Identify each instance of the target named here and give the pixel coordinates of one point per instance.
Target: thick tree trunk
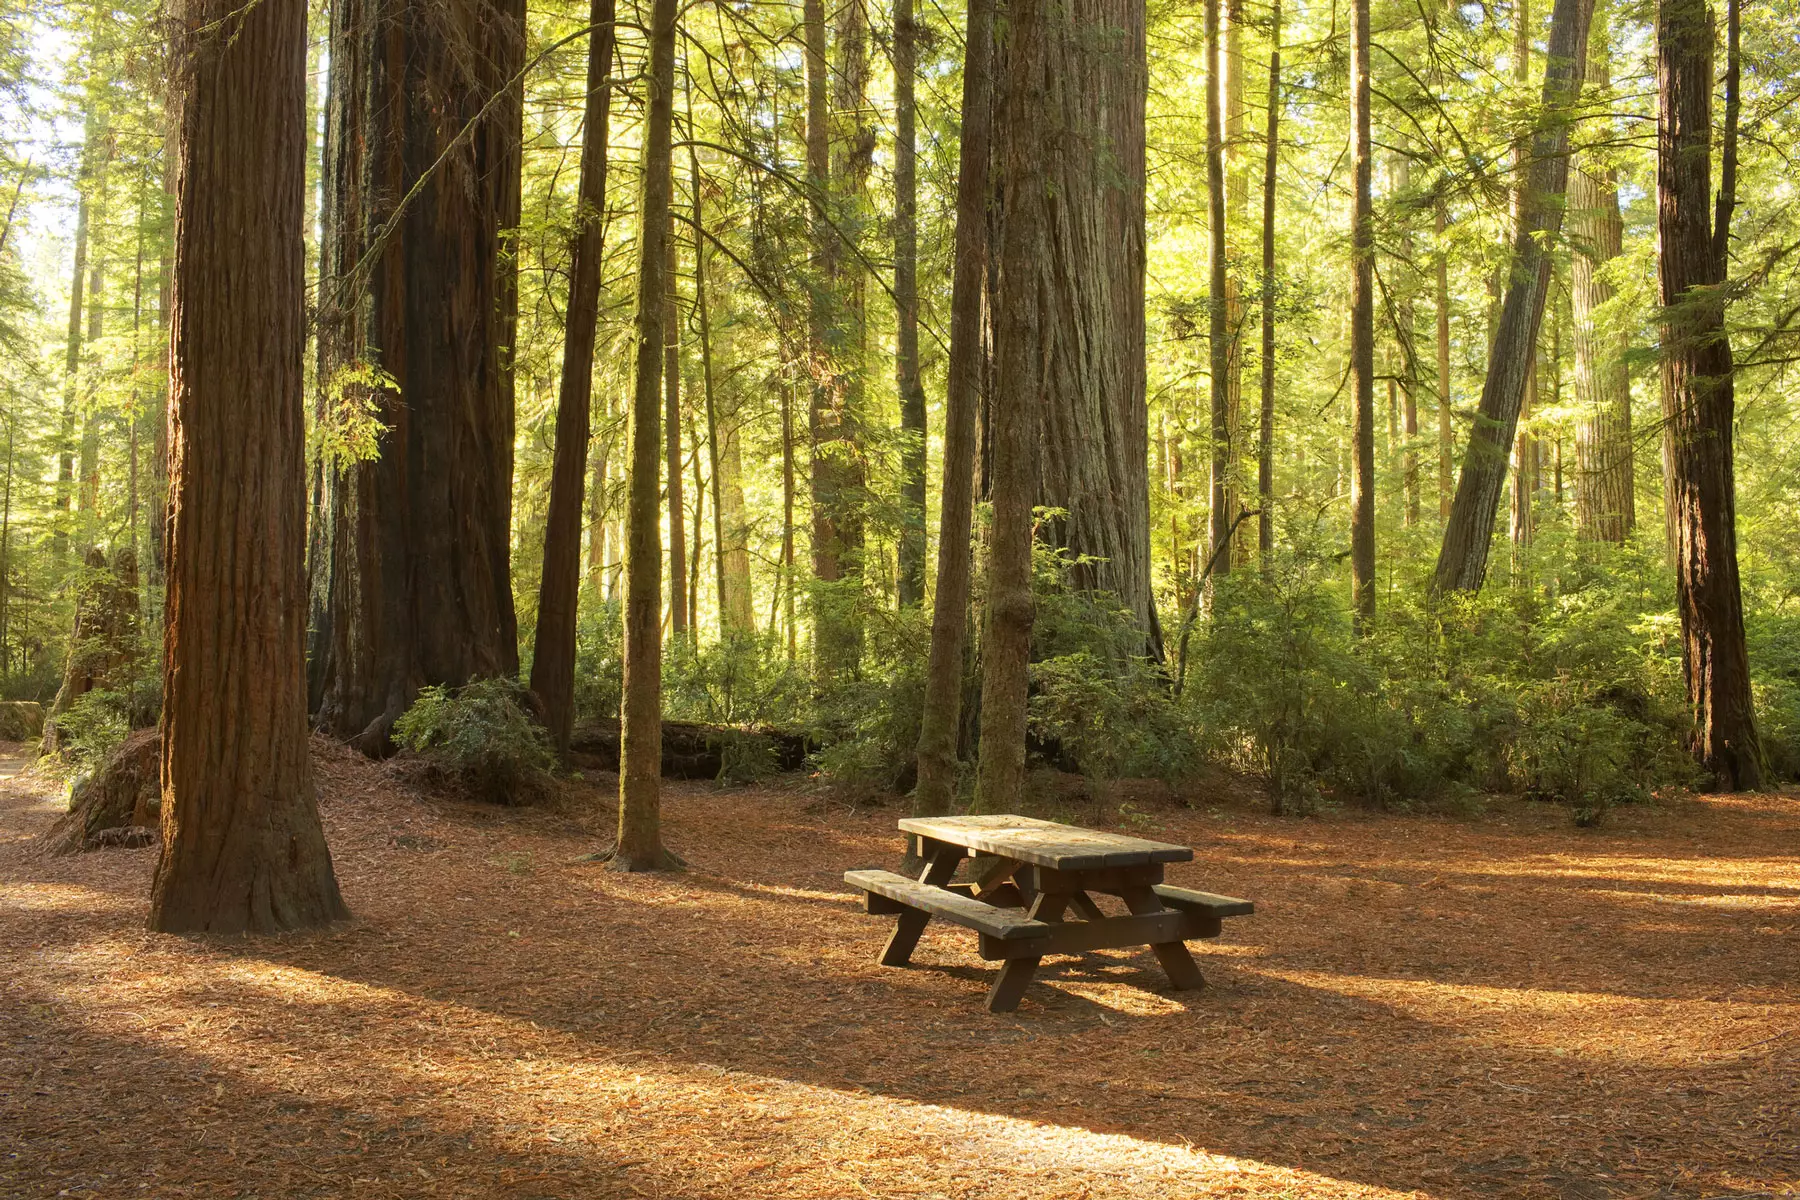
(906, 311)
(1035, 111)
(1096, 427)
(639, 846)
(679, 616)
(242, 848)
(1219, 311)
(1462, 560)
(559, 591)
(1265, 442)
(1605, 506)
(1362, 325)
(942, 715)
(1698, 400)
(421, 571)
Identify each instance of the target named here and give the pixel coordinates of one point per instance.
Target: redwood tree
(242, 848)
(1362, 324)
(1697, 393)
(425, 183)
(553, 657)
(1462, 560)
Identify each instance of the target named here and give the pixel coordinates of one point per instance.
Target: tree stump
(118, 804)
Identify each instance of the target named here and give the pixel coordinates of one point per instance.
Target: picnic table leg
(1183, 972)
(941, 860)
(1015, 973)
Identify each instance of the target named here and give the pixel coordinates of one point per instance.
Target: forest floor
(1496, 1005)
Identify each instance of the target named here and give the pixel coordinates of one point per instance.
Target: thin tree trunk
(1218, 308)
(1697, 392)
(242, 848)
(1265, 445)
(1362, 326)
(942, 712)
(789, 614)
(639, 846)
(559, 591)
(1237, 201)
(87, 502)
(1462, 560)
(65, 451)
(1446, 436)
(906, 312)
(731, 616)
(1028, 282)
(671, 368)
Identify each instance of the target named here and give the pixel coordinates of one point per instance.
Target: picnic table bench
(1027, 877)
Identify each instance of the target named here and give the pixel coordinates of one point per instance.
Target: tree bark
(1698, 400)
(1035, 106)
(1605, 505)
(1265, 442)
(421, 571)
(1362, 326)
(65, 450)
(242, 848)
(1462, 560)
(942, 713)
(1096, 432)
(559, 591)
(639, 846)
(906, 311)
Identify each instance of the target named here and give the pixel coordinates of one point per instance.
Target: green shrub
(867, 726)
(599, 670)
(746, 679)
(1112, 719)
(94, 725)
(481, 735)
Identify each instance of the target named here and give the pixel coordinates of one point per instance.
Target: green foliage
(348, 429)
(745, 679)
(599, 669)
(94, 725)
(868, 724)
(483, 736)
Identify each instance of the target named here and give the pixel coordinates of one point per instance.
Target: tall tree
(1265, 442)
(1036, 140)
(1446, 437)
(1096, 444)
(553, 656)
(427, 186)
(942, 714)
(1462, 559)
(906, 309)
(1698, 396)
(639, 846)
(679, 614)
(242, 847)
(1362, 323)
(1218, 309)
(1605, 506)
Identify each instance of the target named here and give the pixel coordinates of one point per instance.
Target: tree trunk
(906, 312)
(1362, 326)
(87, 502)
(1698, 397)
(639, 846)
(1218, 310)
(1462, 560)
(679, 616)
(1237, 203)
(242, 848)
(559, 591)
(65, 450)
(428, 181)
(1446, 436)
(1265, 442)
(1096, 448)
(942, 714)
(1036, 105)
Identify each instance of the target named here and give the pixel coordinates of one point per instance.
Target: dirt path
(1504, 1006)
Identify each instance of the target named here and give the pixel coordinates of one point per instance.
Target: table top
(1045, 843)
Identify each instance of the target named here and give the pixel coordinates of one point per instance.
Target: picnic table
(1032, 894)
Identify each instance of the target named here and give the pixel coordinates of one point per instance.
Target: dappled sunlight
(70, 899)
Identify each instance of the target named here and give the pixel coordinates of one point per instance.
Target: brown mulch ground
(1496, 1006)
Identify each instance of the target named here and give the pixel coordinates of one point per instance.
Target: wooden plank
(1046, 843)
(1000, 923)
(1205, 903)
(1100, 879)
(1076, 937)
(901, 943)
(1176, 962)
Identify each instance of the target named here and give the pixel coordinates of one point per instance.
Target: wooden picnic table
(1032, 894)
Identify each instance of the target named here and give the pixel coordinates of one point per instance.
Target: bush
(94, 725)
(868, 726)
(482, 736)
(599, 671)
(746, 679)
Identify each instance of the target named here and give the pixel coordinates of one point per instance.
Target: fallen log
(695, 750)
